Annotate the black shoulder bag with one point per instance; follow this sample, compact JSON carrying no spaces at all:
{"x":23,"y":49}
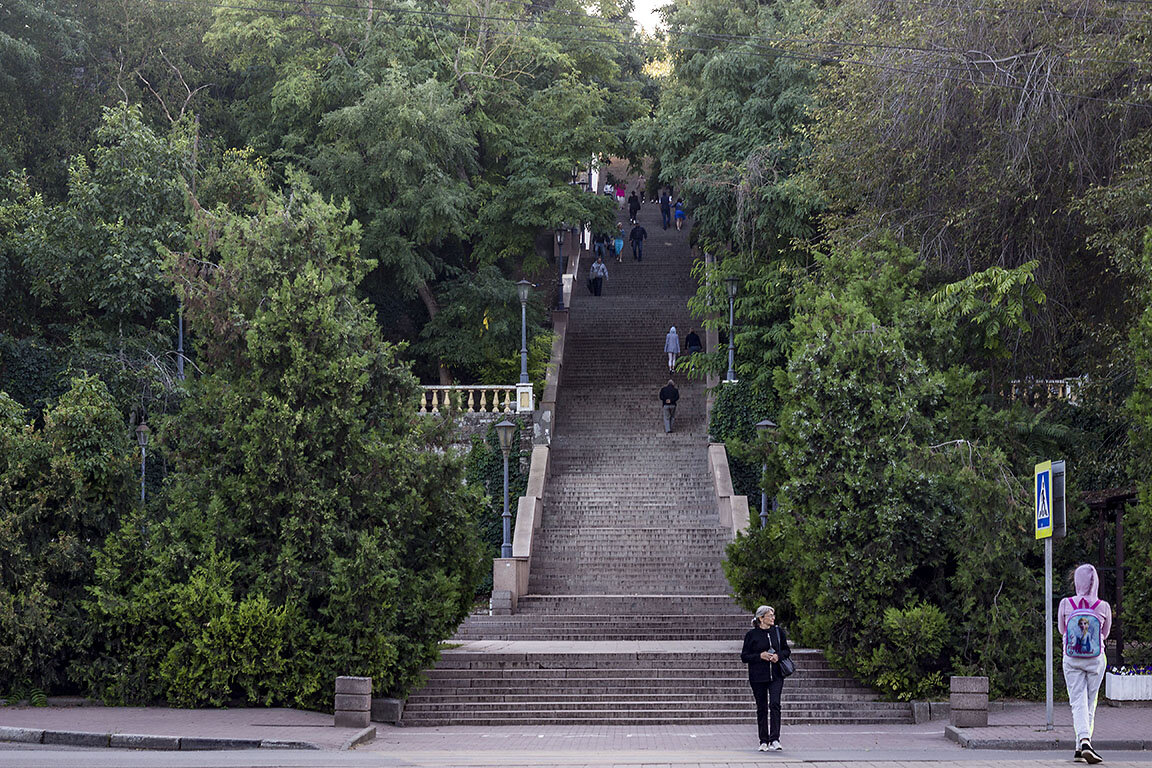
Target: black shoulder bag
{"x":787,"y":666}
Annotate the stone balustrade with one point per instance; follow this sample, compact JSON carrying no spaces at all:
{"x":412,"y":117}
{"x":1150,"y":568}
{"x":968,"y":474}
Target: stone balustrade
{"x":1046,"y":390}
{"x":469,"y":398}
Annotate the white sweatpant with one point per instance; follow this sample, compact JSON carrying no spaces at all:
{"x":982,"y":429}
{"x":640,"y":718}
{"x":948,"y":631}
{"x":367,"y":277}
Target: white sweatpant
{"x":1083,"y":678}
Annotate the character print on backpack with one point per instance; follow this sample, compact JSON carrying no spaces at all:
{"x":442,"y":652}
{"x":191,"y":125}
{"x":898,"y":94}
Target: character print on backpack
{"x":1082,"y":635}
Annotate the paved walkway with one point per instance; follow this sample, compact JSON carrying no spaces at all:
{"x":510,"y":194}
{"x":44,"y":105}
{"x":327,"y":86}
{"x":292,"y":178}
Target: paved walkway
{"x":1018,"y":727}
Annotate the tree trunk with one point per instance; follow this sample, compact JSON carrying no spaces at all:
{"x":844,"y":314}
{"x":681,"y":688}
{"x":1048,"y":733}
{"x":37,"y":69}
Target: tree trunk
{"x":432,"y":307}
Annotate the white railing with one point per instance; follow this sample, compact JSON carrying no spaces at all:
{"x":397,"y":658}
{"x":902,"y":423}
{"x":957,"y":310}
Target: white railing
{"x":468,"y":398}
{"x":1047,"y":390}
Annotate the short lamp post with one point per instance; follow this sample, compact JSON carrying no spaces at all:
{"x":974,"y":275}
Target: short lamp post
{"x":505,"y":430}
{"x":733,"y":285}
{"x":522,"y":289}
{"x":142,"y":432}
{"x":767,"y":431}
{"x":561,"y":231}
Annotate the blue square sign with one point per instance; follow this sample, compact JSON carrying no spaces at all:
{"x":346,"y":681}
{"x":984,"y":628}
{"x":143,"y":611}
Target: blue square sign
{"x":1044,"y":500}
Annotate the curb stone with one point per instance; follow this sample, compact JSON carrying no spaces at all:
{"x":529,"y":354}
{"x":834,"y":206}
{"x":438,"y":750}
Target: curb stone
{"x":1055,"y":743}
{"x":142,"y":741}
{"x":21,"y":735}
{"x":77,"y":738}
{"x":363,"y":736}
{"x":159,"y":743}
{"x":198,"y":744}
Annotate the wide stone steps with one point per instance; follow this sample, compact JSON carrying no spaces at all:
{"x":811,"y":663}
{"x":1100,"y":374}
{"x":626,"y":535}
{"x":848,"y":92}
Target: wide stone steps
{"x":630,"y":607}
{"x":641,"y":687}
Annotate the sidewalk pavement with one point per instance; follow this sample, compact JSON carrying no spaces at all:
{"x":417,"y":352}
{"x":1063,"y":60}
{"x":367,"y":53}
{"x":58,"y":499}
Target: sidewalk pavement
{"x":1016,"y":727}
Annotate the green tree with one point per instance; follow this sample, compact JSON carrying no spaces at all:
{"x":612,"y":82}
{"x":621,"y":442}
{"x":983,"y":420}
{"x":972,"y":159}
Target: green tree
{"x":310,"y":514}
{"x":63,"y":489}
{"x":884,"y":453}
{"x":100,"y":253}
{"x":1138,"y":520}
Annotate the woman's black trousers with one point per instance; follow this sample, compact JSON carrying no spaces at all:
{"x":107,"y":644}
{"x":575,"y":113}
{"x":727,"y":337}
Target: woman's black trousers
{"x":767,"y":697}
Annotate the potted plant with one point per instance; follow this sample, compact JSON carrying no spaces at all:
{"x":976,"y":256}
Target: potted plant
{"x":1128,"y":683}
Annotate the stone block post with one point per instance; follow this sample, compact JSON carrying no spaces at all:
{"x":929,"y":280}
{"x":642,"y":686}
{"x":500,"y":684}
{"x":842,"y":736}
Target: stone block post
{"x":353,"y":702}
{"x":968,"y":702}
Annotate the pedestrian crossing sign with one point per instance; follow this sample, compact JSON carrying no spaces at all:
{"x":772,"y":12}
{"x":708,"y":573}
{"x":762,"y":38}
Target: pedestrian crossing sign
{"x":1044,"y":500}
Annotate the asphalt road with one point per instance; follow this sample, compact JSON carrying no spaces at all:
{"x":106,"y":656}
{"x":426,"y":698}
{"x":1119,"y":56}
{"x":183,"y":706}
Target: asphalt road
{"x":21,"y":756}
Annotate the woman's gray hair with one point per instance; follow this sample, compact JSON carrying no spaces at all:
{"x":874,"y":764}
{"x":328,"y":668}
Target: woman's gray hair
{"x":763,"y":610}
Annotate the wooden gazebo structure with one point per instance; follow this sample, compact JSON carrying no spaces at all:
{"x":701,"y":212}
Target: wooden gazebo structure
{"x":1108,"y":506}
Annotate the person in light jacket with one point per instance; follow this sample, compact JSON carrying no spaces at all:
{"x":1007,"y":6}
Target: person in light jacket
{"x":765,"y":645}
{"x":672,"y":347}
{"x":598,"y":275}
{"x":1083,"y":672}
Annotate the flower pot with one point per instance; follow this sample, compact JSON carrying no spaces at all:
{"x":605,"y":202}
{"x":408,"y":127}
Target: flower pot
{"x":1128,"y":687}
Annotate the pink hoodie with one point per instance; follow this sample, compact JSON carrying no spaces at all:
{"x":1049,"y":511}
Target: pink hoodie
{"x":1087,"y":585}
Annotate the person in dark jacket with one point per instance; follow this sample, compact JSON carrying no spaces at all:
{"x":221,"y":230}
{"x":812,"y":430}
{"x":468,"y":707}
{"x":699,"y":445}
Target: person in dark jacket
{"x":692,"y":343}
{"x":633,"y":207}
{"x":668,"y":397}
{"x":638,"y":235}
{"x":665,"y":209}
{"x":764,"y":646}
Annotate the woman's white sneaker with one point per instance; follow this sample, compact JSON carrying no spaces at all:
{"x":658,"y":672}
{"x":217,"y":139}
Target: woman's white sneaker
{"x":775,"y":746}
{"x":763,"y":746}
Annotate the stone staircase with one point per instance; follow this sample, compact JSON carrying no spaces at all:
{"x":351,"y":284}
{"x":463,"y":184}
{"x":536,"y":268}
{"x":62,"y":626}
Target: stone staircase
{"x":670,"y":687}
{"x":628,"y":619}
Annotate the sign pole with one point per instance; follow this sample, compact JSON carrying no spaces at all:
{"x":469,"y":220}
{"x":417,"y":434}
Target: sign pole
{"x":1044,"y":526}
{"x":1048,"y":693}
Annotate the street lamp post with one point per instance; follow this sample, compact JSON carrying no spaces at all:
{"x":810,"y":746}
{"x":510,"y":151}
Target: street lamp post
{"x":522,"y":289}
{"x":180,"y":341}
{"x":767,"y":430}
{"x":504,"y":431}
{"x":142,"y":432}
{"x":561,"y":230}
{"x":733,"y":284}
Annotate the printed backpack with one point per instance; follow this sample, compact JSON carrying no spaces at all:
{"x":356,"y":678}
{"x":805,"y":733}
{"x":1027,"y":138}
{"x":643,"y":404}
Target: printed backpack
{"x":1082,"y":633}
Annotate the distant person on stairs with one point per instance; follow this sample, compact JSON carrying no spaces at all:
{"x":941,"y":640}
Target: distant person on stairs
{"x":598,"y":275}
{"x":665,"y":209}
{"x":692,"y":343}
{"x":633,"y":207}
{"x":672,"y":347}
{"x":618,"y":243}
{"x":668,"y":397}
{"x":680,"y":214}
{"x":638,"y":235}
{"x":765,"y":645}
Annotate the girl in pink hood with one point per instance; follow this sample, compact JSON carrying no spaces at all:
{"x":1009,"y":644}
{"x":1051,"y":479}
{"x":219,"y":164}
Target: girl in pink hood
{"x":1084,"y":621}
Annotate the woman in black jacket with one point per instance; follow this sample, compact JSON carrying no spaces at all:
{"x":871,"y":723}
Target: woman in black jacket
{"x":764,"y":646}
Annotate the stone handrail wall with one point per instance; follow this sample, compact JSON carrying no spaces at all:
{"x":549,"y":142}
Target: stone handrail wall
{"x":468,"y":398}
{"x":733,"y":509}
{"x":510,"y":574}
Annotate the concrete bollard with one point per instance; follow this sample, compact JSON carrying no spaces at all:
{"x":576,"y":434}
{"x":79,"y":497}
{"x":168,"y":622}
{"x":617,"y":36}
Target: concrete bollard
{"x":353,"y":702}
{"x":968,"y":702}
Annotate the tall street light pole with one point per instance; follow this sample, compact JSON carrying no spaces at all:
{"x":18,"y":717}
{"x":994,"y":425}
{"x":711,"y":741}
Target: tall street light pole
{"x":505,"y":430}
{"x":561,"y":230}
{"x":767,"y":431}
{"x":733,"y":284}
{"x":522,"y":289}
{"x":142,"y":439}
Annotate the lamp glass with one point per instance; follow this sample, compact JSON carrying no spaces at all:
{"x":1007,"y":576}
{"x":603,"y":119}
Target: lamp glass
{"x":522,"y":289}
{"x":142,"y":435}
{"x":504,"y":431}
{"x":561,"y":229}
{"x":733,"y":283}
